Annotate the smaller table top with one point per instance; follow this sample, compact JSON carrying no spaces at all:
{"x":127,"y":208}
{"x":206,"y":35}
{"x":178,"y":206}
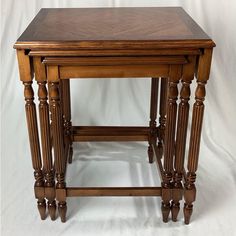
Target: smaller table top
{"x":101,"y":28}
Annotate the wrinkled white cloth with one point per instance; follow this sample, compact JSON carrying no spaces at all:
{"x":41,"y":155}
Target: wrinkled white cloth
{"x":124,"y":102}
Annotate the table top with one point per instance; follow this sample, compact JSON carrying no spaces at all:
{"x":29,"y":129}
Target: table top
{"x":111,"y":28}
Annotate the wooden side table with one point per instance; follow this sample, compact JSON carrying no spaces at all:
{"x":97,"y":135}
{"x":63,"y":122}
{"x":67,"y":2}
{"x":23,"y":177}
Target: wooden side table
{"x":162,"y":43}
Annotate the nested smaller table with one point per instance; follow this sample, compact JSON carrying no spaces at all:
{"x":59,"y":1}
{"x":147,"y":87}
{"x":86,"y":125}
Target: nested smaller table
{"x":163,"y":44}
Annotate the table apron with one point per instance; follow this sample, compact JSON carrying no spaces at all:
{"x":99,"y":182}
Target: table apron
{"x":118,"y":71}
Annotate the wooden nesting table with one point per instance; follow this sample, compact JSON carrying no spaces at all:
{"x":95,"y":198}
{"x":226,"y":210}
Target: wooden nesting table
{"x":163,"y":44}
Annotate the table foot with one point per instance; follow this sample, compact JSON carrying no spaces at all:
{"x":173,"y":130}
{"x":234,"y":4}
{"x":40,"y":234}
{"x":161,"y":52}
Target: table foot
{"x":189,"y":196}
{"x":188,"y":210}
{"x":52,"y":209}
{"x":177,"y":195}
{"x":62,"y":208}
{"x":165,"y":208}
{"x":175,"y":207}
{"x":42,"y":209}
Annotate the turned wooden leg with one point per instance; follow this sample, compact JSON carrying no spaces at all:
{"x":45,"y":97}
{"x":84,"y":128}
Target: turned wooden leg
{"x":42,"y":208}
{"x":63,"y":131}
{"x":61,"y":196}
{"x":62,"y":208}
{"x":35,"y":148}
{"x":39,"y":193}
{"x":40,"y":76}
{"x":26,"y":76}
{"x":174,"y":76}
{"x":162,"y":113}
{"x":67,"y":117}
{"x":56,"y":116}
{"x":166,"y":196}
{"x":194,"y":146}
{"x":182,"y":125}
{"x":46,"y":149}
{"x":153,"y":116}
{"x":58,"y":148}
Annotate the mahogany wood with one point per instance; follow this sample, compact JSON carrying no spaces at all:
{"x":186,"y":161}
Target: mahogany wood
{"x":109,"y":133}
{"x":63,"y":105}
{"x":35,"y":148}
{"x":106,"y":67}
{"x":59,"y":154}
{"x":153,"y":116}
{"x":182,"y":125}
{"x":113,"y":28}
{"x":174,"y":76}
{"x":40,"y":76}
{"x":105,"y":43}
{"x":66,"y":125}
{"x":25,"y":66}
{"x":113,"y":191}
{"x":116,"y":52}
{"x":162,"y":118}
{"x":67,"y":117}
{"x":130,"y":71}
{"x":194,"y":146}
{"x":114,"y":61}
{"x":30,"y":109}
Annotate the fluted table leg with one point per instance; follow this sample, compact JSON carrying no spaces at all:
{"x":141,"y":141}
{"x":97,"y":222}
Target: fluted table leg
{"x":182,"y":125}
{"x":169,"y":144}
{"x":162,"y":113}
{"x":67,"y":116}
{"x":26,"y":77}
{"x":57,"y":130}
{"x":153,"y":116}
{"x":194,"y":146}
{"x":35,"y":148}
{"x":40,"y":76}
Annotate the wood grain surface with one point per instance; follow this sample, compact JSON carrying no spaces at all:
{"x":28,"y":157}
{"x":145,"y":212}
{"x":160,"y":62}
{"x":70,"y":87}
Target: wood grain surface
{"x":113,"y":28}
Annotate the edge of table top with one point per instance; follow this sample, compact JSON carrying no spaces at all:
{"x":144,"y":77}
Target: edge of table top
{"x":131,"y":44}
{"x":25,"y":42}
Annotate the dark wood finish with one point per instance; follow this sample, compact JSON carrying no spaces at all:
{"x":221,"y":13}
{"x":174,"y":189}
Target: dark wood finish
{"x":114,"y":61}
{"x":32,"y":121}
{"x":109,"y":133}
{"x":182,"y":125}
{"x":106,"y":67}
{"x":40,"y":76}
{"x":116,"y":52}
{"x":162,"y":118}
{"x":25,"y":66}
{"x":113,"y":28}
{"x":105,"y":43}
{"x":67,"y":117}
{"x":65,"y":127}
{"x":113,"y":191}
{"x":30,"y":109}
{"x":153,"y":116}
{"x":194,"y":147}
{"x":35,"y":148}
{"x":132,"y":71}
{"x":174,"y":76}
{"x":58,"y":144}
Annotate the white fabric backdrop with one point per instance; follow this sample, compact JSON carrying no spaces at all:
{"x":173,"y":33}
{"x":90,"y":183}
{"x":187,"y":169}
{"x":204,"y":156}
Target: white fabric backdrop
{"x":107,"y":164}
